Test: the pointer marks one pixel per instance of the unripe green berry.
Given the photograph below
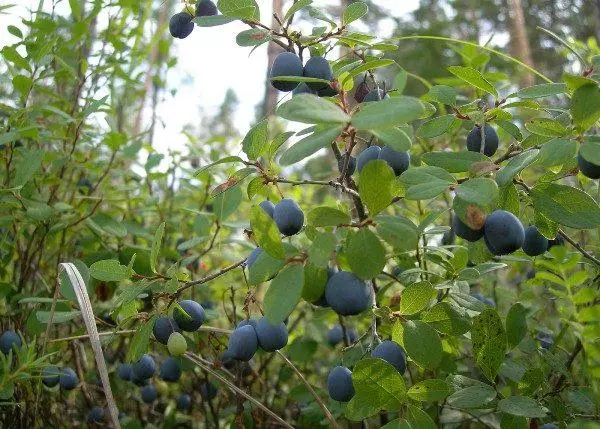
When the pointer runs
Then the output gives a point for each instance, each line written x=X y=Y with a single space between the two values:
x=176 y=344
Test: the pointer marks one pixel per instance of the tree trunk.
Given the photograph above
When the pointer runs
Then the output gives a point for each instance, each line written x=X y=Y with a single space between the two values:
x=519 y=43
x=271 y=95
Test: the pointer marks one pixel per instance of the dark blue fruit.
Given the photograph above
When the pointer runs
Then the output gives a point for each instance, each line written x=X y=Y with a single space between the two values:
x=535 y=243
x=503 y=232
x=367 y=155
x=347 y=294
x=243 y=343
x=163 y=328
x=545 y=339
x=289 y=217
x=170 y=370
x=491 y=140
x=68 y=379
x=392 y=353
x=376 y=95
x=144 y=368
x=208 y=391
x=587 y=168
x=251 y=322
x=96 y=415
x=558 y=241
x=253 y=256
x=192 y=316
x=271 y=337
x=463 y=231
x=8 y=340
x=448 y=237
x=286 y=64
x=399 y=161
x=361 y=92
x=205 y=8
x=181 y=25
x=351 y=164
x=184 y=402
x=339 y=384
x=149 y=394
x=50 y=376
x=227 y=359
x=125 y=371
x=302 y=88
x=486 y=300
x=397 y=271
x=335 y=335
x=268 y=207
x=318 y=67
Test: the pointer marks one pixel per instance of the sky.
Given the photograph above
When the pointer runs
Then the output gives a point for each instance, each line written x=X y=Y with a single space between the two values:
x=209 y=62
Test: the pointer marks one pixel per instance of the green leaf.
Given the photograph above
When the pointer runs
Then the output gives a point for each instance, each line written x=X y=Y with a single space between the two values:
x=110 y=225
x=510 y=128
x=378 y=386
x=416 y=297
x=300 y=4
x=284 y=293
x=516 y=165
x=541 y=91
x=27 y=166
x=431 y=390
x=309 y=145
x=589 y=150
x=264 y=268
x=479 y=191
x=354 y=11
x=58 y=317
x=314 y=282
x=472 y=397
x=321 y=249
x=365 y=253
x=397 y=424
x=213 y=20
x=426 y=182
x=156 y=244
x=310 y=109
x=398 y=138
x=244 y=9
x=369 y=65
x=376 y=186
x=422 y=344
x=474 y=78
x=437 y=126
x=489 y=342
x=252 y=37
x=546 y=127
x=516 y=324
x=257 y=139
x=447 y=320
x=227 y=202
x=558 y=152
x=442 y=94
x=398 y=231
x=521 y=406
x=327 y=216
x=585 y=106
x=454 y=162
x=417 y=418
x=566 y=205
x=226 y=160
x=140 y=342
x=390 y=112
x=109 y=270
x=266 y=232
x=11 y=55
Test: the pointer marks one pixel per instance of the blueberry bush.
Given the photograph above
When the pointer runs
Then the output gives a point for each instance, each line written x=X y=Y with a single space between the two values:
x=440 y=269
